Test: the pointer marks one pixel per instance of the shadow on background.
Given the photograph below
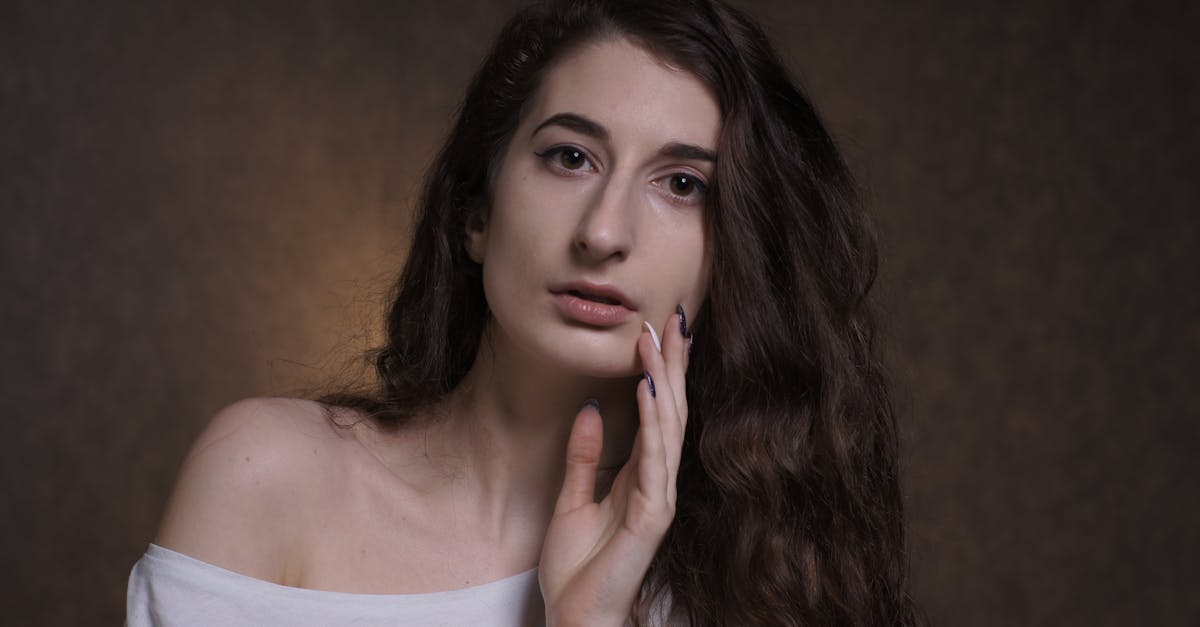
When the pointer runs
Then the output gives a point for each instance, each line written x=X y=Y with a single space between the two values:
x=206 y=201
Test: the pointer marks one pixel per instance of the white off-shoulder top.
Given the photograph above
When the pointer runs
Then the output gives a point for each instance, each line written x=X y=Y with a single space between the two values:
x=170 y=589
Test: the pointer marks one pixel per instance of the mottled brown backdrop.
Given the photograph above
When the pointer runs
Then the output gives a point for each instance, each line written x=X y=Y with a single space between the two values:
x=205 y=200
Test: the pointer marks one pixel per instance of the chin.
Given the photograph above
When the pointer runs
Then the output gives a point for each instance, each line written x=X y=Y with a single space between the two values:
x=600 y=354
x=576 y=350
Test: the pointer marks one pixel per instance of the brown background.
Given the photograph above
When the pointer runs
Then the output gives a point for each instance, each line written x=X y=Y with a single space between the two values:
x=205 y=201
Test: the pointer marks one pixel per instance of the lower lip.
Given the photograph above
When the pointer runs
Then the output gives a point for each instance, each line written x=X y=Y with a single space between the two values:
x=591 y=312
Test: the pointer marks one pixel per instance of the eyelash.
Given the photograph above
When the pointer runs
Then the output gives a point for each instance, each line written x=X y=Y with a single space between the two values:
x=557 y=151
x=550 y=154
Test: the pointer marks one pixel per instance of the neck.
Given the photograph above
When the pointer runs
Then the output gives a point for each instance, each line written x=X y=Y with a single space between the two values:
x=498 y=441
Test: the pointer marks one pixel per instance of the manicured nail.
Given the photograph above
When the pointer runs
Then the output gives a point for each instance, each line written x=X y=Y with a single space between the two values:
x=654 y=336
x=591 y=402
x=682 y=320
x=650 y=382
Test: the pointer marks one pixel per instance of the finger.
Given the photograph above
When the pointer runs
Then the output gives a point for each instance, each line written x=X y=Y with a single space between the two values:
x=671 y=401
x=667 y=415
x=583 y=458
x=668 y=390
x=651 y=464
x=675 y=349
x=653 y=335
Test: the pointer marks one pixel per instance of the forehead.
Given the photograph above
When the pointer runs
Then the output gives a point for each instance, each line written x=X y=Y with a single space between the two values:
x=630 y=92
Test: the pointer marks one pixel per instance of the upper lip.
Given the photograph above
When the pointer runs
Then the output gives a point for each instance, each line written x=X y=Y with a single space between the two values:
x=589 y=289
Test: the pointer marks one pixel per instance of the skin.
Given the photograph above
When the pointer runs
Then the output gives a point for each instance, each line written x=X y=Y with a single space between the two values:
x=482 y=489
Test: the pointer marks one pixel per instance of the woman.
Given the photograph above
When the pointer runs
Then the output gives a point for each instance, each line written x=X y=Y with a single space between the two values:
x=630 y=348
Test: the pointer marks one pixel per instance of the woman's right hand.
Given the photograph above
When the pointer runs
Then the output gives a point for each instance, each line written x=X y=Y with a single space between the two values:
x=595 y=555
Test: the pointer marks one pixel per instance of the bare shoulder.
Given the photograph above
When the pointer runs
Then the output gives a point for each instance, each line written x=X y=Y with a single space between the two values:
x=246 y=485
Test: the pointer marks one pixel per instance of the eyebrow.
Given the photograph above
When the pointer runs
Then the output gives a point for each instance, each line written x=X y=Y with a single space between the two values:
x=688 y=151
x=584 y=126
x=574 y=122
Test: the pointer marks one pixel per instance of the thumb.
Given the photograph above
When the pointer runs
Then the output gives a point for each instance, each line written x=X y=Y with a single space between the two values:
x=583 y=458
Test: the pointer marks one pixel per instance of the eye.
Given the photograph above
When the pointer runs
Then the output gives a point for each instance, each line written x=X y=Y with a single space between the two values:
x=571 y=159
x=683 y=184
x=686 y=188
x=568 y=158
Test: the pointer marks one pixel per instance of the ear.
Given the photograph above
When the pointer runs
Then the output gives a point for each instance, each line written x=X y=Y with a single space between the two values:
x=476 y=243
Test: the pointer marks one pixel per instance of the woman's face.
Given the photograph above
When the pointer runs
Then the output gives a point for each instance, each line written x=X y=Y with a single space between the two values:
x=597 y=215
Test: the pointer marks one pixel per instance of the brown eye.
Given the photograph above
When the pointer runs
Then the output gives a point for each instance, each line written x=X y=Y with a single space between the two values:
x=566 y=158
x=571 y=159
x=682 y=184
x=683 y=188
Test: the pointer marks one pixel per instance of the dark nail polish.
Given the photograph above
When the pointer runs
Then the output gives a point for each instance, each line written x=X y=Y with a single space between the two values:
x=682 y=320
x=591 y=402
x=650 y=383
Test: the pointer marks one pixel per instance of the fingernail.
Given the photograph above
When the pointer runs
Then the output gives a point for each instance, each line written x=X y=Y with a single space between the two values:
x=682 y=320
x=591 y=402
x=654 y=336
x=650 y=383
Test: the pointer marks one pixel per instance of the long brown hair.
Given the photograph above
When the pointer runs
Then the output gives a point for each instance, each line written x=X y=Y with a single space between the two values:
x=789 y=509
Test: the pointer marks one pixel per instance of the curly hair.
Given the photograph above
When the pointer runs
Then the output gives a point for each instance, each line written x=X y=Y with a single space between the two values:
x=789 y=509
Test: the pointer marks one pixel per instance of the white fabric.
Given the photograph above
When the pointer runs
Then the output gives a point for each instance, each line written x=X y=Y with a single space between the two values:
x=170 y=589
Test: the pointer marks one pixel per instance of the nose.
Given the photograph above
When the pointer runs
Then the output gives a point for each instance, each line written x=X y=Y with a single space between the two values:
x=606 y=228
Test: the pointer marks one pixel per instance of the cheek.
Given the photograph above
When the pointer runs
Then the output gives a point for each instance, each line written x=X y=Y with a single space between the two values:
x=682 y=265
x=509 y=227
x=534 y=221
x=509 y=262
x=703 y=280
x=522 y=233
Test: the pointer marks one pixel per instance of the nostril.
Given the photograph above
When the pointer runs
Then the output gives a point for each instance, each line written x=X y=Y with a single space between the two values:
x=600 y=242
